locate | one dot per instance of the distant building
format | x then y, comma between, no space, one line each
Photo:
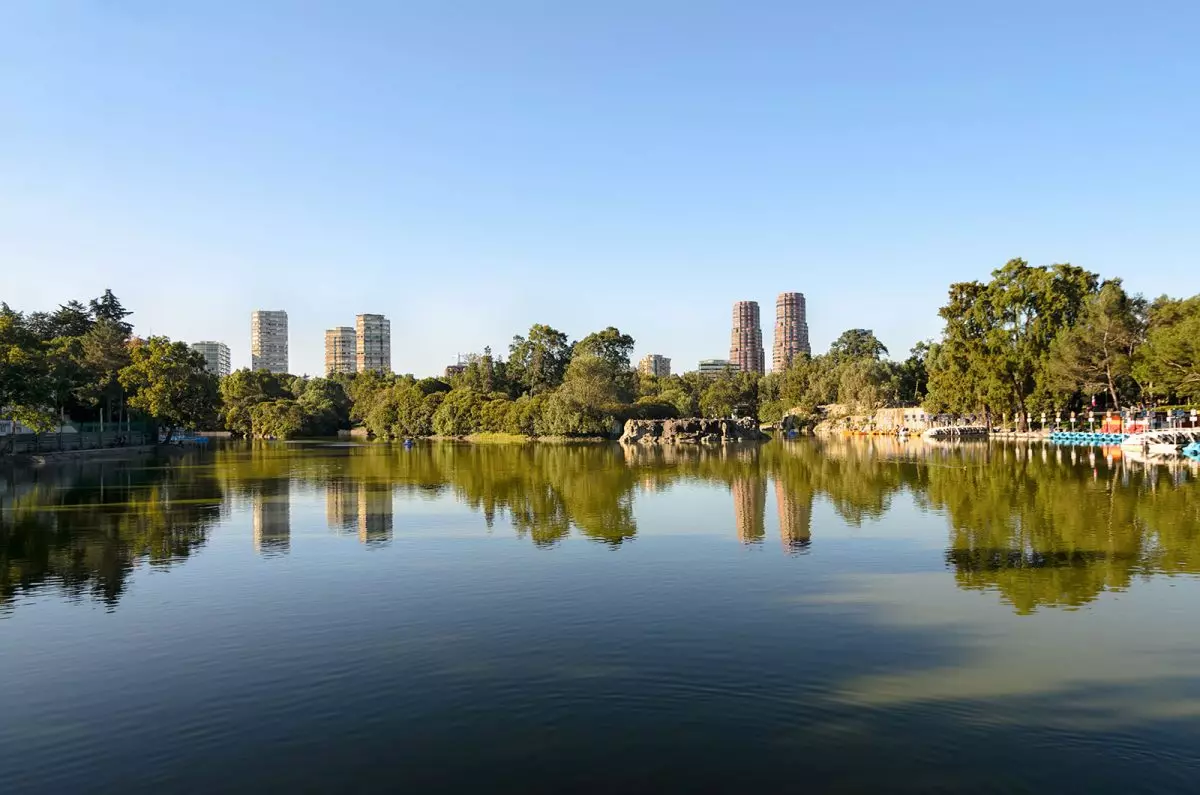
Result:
216,356
374,343
269,341
717,366
745,345
341,350
791,330
455,369
653,364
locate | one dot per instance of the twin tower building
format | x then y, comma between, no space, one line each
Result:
791,334
365,346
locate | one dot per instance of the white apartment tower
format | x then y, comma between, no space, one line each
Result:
791,330
341,350
269,341
216,356
374,343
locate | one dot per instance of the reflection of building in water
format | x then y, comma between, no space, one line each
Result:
272,518
750,506
341,505
374,513
795,517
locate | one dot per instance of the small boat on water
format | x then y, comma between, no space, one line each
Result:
1192,451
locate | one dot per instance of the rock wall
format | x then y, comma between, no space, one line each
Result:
691,431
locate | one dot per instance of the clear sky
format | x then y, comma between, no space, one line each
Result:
470,168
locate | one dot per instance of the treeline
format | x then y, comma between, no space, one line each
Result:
1052,338
1030,340
82,362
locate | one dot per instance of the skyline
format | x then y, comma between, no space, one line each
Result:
473,172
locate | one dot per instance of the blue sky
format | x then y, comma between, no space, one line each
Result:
469,168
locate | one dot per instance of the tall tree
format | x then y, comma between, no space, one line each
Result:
538,363
1096,354
857,343
103,352
108,308
1168,365
244,389
169,382
26,393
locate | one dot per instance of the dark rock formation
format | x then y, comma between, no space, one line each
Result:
692,431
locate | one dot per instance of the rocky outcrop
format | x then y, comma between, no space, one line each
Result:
691,431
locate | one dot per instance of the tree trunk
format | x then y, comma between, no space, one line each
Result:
1112,388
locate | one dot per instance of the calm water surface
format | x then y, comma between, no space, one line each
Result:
521,618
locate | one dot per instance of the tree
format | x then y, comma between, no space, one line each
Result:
103,352
995,350
857,343
107,308
241,391
1169,362
730,393
538,363
277,419
910,378
169,382
1096,354
325,406
26,392
458,414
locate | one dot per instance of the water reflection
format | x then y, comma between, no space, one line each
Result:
273,518
1039,526
82,529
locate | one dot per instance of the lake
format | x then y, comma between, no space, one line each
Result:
841,615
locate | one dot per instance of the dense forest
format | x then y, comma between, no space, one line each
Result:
1031,339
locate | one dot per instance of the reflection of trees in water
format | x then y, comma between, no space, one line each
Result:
83,528
1042,527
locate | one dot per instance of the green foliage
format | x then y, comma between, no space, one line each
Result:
168,382
857,343
459,414
537,364
995,353
241,391
1096,354
277,419
1168,365
730,393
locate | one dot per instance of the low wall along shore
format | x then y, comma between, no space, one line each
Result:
691,431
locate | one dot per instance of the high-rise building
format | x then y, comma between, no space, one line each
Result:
791,330
216,356
653,364
374,343
269,340
716,366
745,345
341,350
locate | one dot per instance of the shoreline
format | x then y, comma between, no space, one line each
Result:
97,454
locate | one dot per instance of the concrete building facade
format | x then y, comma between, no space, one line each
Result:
373,343
216,356
269,340
791,330
715,367
653,364
745,345
341,350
